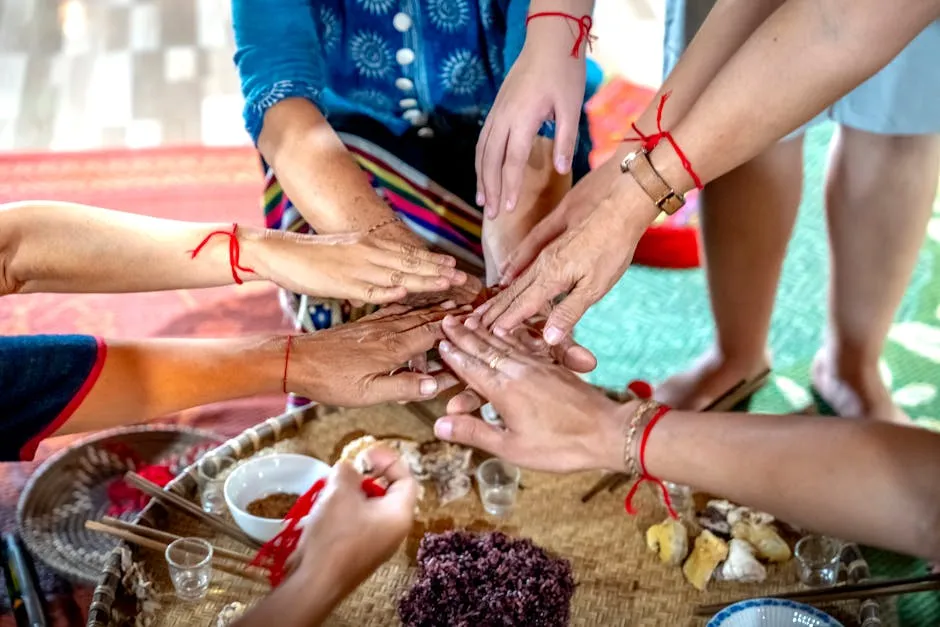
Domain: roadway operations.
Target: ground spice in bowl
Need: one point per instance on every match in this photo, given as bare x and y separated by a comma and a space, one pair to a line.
487, 580
272, 506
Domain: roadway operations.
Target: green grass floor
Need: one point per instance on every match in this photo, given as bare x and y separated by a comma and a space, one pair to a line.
655, 322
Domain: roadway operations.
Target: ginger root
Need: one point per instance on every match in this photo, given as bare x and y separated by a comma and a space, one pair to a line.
670, 540
770, 546
741, 564
708, 553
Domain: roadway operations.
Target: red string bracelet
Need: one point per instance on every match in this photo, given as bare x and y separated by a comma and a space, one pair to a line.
585, 24
651, 141
644, 475
290, 340
234, 251
273, 555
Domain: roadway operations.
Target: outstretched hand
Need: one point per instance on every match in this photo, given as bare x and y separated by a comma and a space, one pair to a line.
552, 419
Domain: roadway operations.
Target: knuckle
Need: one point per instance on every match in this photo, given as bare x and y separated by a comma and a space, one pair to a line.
397, 277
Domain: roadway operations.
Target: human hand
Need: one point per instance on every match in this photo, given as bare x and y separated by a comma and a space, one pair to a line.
545, 83
348, 535
582, 263
353, 266
354, 365
552, 420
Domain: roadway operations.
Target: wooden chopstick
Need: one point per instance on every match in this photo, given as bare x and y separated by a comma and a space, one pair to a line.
156, 545
867, 590
731, 397
163, 536
171, 498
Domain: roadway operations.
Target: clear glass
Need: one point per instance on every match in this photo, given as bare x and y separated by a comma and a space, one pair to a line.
190, 562
818, 559
212, 470
499, 484
681, 498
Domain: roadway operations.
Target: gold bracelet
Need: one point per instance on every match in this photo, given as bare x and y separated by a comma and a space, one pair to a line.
382, 225
629, 442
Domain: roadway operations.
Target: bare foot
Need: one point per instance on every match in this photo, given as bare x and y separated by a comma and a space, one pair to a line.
711, 376
862, 395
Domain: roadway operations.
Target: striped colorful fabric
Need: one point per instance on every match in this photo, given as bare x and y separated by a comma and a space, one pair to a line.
442, 219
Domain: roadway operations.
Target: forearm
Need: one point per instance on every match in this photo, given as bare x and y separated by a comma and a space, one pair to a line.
876, 486
306, 599
727, 27
65, 247
316, 170
802, 58
147, 379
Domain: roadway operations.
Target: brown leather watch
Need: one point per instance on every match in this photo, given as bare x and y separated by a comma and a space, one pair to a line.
665, 198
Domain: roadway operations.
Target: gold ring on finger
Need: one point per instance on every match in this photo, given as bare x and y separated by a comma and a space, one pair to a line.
496, 360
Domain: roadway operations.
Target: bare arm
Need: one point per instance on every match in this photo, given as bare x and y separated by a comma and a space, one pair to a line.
845, 478
65, 247
802, 58
316, 170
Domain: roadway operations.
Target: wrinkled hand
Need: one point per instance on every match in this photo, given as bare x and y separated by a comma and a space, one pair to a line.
552, 419
349, 535
545, 83
581, 264
352, 365
353, 266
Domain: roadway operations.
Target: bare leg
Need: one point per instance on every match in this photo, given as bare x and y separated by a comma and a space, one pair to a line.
879, 194
542, 190
747, 217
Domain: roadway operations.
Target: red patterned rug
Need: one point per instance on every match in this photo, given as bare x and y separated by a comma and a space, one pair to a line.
202, 184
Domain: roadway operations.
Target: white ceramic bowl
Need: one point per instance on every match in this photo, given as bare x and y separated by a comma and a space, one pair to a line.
771, 613
263, 476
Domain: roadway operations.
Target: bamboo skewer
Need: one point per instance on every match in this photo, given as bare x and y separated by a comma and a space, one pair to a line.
156, 545
867, 590
171, 498
163, 536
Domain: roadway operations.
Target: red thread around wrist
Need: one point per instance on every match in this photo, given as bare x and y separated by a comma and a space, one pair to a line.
651, 141
585, 24
290, 340
234, 251
644, 474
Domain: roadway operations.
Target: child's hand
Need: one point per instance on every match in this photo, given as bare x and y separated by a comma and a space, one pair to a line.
545, 83
351, 266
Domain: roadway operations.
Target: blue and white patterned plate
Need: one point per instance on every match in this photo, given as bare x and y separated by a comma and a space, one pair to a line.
771, 613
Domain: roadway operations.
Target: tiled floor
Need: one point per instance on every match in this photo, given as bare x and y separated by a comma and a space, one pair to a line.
85, 74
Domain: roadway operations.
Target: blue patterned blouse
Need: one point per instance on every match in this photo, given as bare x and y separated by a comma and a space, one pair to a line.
395, 61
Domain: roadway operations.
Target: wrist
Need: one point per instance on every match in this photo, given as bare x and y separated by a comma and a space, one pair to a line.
265, 360
636, 210
317, 591
615, 423
256, 245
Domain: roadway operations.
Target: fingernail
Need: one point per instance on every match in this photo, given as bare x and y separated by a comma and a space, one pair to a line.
443, 283
481, 199
553, 335
500, 332
471, 323
450, 322
428, 387
443, 429
444, 346
562, 164
503, 281
448, 304
510, 205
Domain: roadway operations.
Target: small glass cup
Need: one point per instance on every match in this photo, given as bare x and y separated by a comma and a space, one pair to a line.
818, 559
681, 498
499, 483
210, 471
190, 562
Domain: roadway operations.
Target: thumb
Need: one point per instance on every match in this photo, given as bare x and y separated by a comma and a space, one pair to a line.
566, 314
470, 431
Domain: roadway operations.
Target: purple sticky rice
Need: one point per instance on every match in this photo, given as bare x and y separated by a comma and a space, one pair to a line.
487, 580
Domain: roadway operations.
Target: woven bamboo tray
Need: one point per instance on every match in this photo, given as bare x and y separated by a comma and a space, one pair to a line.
71, 487
619, 581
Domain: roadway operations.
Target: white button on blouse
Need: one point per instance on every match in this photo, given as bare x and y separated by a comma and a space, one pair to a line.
405, 56
425, 132
407, 103
415, 116
402, 22
404, 84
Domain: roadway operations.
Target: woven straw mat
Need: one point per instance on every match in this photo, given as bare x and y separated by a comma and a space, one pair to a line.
620, 582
